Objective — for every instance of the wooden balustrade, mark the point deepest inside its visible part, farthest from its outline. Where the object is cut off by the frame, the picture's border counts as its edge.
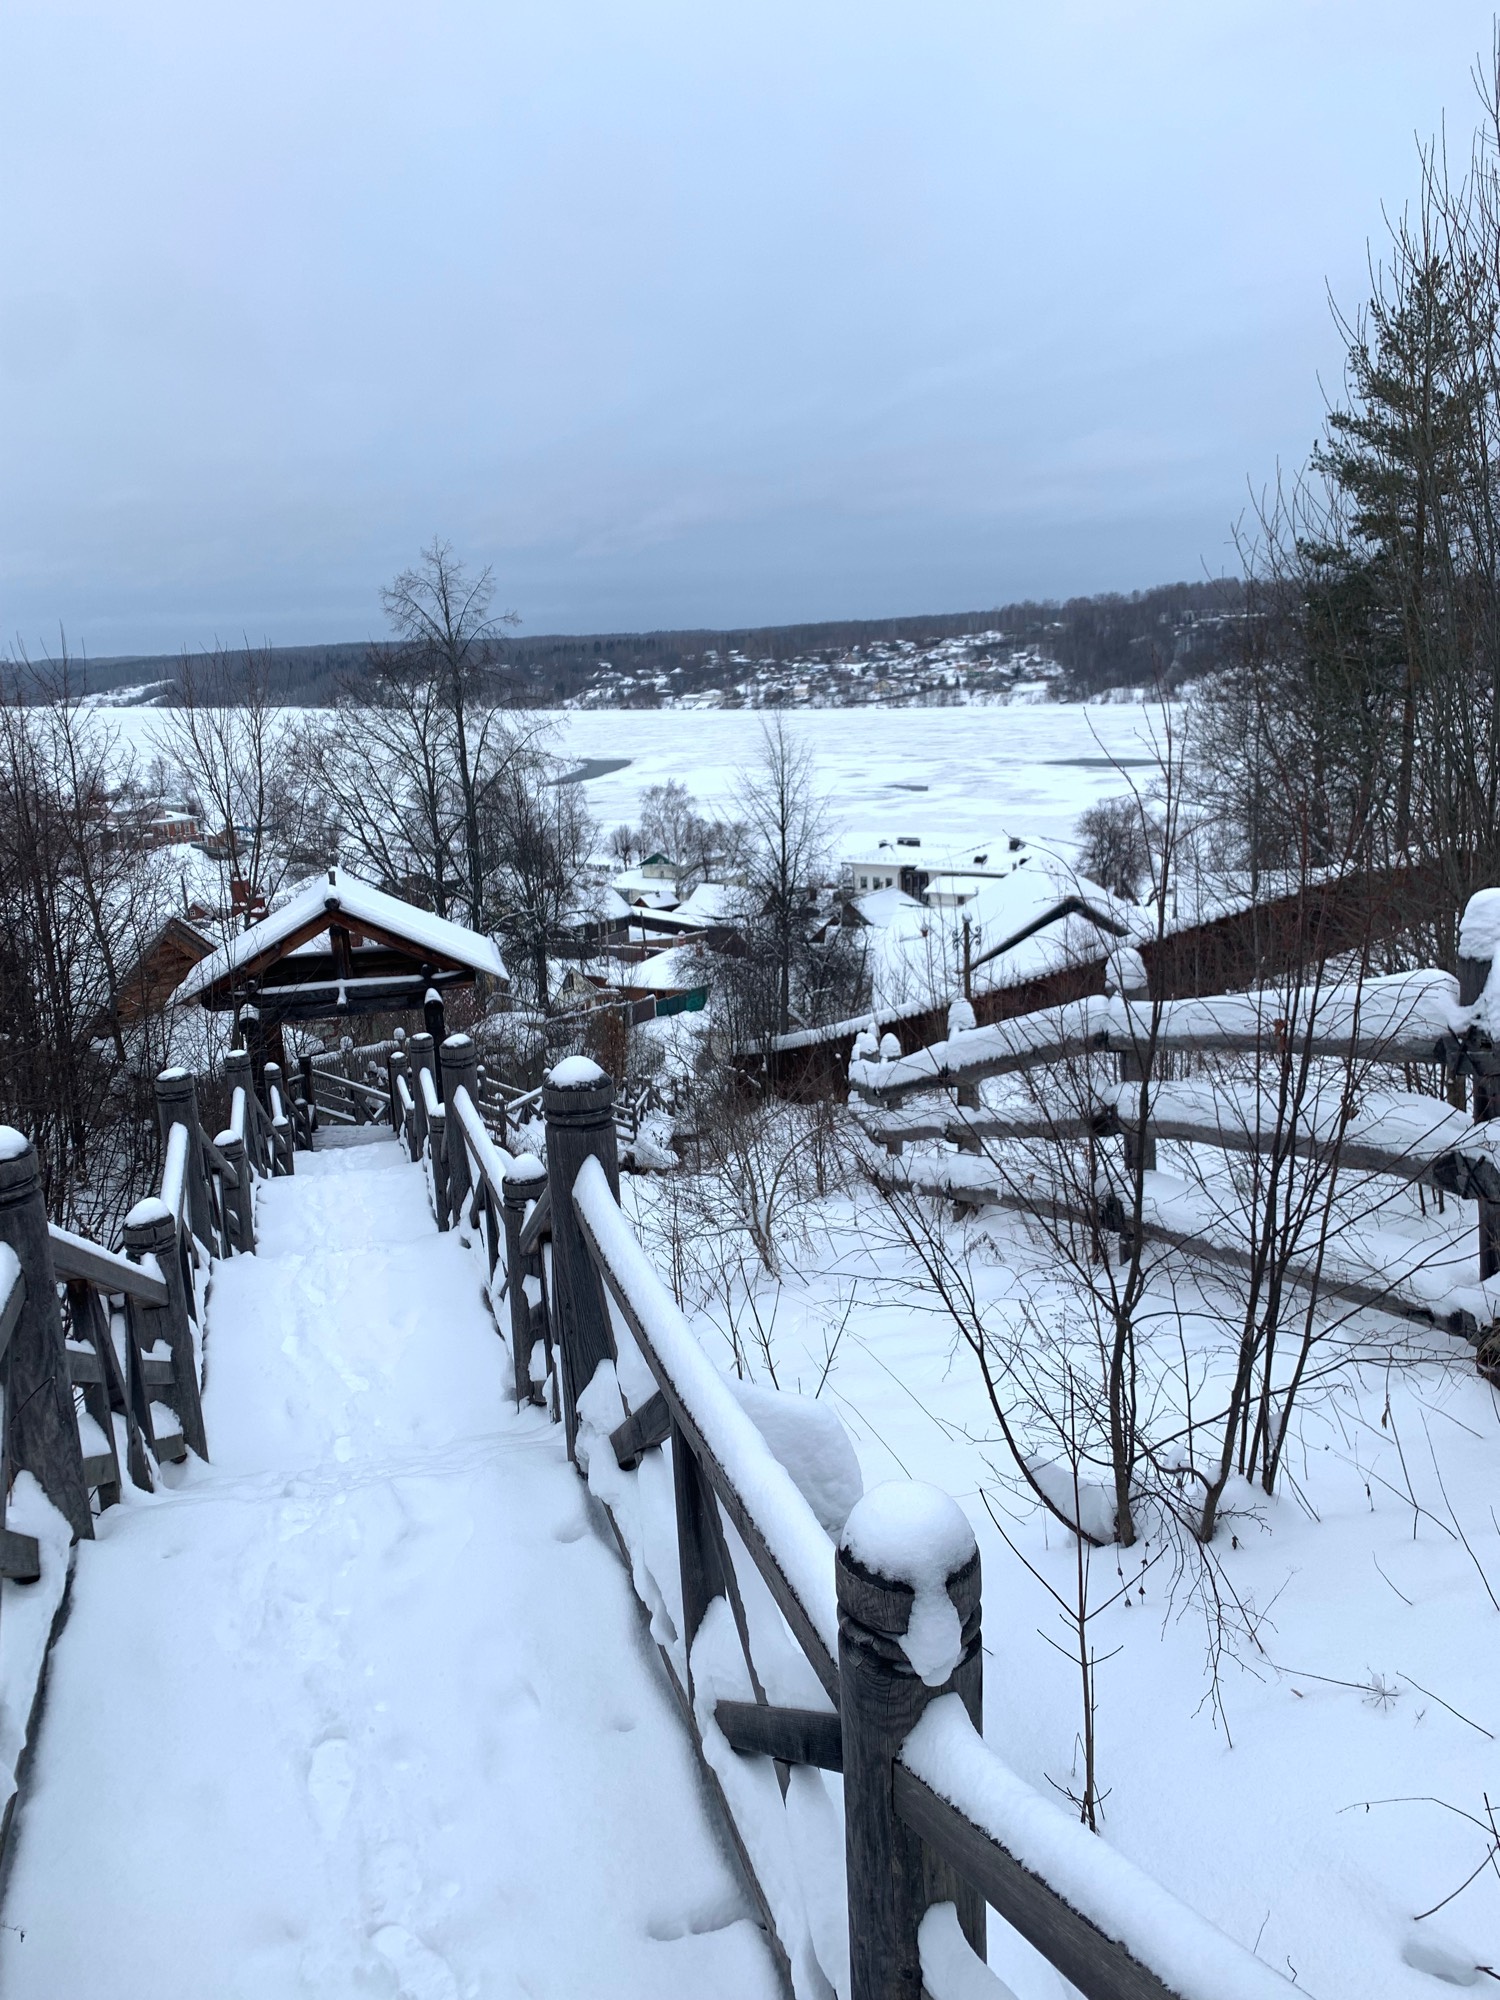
(922, 1849)
(115, 1331)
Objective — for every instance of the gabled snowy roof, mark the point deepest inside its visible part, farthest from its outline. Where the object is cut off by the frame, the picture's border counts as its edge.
(711, 901)
(340, 895)
(881, 907)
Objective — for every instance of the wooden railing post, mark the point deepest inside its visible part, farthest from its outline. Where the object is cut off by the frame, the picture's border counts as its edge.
(525, 1182)
(177, 1104)
(460, 1071)
(238, 1074)
(886, 1555)
(420, 1048)
(283, 1142)
(406, 1128)
(41, 1425)
(1473, 976)
(578, 1104)
(1140, 1146)
(434, 1019)
(150, 1231)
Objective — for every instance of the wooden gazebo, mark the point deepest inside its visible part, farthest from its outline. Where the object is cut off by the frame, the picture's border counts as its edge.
(340, 947)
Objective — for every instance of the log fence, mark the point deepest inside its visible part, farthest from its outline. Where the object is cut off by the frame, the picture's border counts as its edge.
(1347, 1128)
(789, 1650)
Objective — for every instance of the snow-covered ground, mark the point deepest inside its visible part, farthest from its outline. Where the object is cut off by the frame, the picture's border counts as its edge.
(364, 1707)
(1294, 1761)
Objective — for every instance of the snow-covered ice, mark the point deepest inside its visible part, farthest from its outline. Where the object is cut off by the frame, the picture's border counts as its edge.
(364, 1707)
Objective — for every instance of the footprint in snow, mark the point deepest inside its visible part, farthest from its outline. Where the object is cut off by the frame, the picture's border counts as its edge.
(330, 1784)
(420, 1973)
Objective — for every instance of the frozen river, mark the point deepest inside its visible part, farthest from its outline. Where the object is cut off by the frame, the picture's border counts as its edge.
(945, 775)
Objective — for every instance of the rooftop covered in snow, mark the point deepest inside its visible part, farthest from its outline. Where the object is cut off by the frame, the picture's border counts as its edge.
(339, 945)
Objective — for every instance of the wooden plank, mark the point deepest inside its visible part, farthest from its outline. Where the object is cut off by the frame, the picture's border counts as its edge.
(650, 1425)
(699, 1550)
(20, 1556)
(75, 1257)
(1098, 1966)
(99, 1469)
(793, 1735)
(11, 1309)
(537, 1225)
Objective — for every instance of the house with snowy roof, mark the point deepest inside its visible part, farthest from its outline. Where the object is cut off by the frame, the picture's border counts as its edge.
(943, 877)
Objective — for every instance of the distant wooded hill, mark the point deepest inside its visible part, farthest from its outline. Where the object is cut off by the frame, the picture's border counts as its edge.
(1174, 632)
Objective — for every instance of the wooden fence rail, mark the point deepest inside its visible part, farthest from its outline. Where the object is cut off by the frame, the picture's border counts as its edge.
(936, 1827)
(1419, 1018)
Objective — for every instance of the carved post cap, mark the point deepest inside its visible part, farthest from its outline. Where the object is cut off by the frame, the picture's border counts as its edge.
(577, 1093)
(20, 1171)
(525, 1180)
(175, 1085)
(149, 1225)
(908, 1589)
(420, 1047)
(908, 1573)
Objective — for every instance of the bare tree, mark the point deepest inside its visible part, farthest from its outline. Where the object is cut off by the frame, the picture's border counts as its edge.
(539, 836)
(444, 624)
(229, 737)
(80, 896)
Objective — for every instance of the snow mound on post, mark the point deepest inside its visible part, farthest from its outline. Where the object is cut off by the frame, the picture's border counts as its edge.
(906, 1531)
(807, 1438)
(1479, 932)
(12, 1143)
(575, 1073)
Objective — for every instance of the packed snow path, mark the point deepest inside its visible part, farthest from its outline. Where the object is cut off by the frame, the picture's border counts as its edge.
(364, 1707)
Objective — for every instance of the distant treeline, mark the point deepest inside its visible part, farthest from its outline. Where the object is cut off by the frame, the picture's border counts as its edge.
(1172, 632)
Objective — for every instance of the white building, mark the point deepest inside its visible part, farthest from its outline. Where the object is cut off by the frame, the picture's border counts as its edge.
(944, 878)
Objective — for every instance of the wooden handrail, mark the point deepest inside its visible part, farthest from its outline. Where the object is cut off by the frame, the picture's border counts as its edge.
(1106, 1925)
(89, 1263)
(785, 1539)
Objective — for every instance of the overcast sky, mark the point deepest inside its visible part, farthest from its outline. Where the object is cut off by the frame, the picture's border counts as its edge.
(676, 314)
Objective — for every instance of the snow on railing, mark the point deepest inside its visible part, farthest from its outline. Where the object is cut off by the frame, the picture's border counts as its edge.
(1104, 1923)
(1403, 1018)
(785, 1538)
